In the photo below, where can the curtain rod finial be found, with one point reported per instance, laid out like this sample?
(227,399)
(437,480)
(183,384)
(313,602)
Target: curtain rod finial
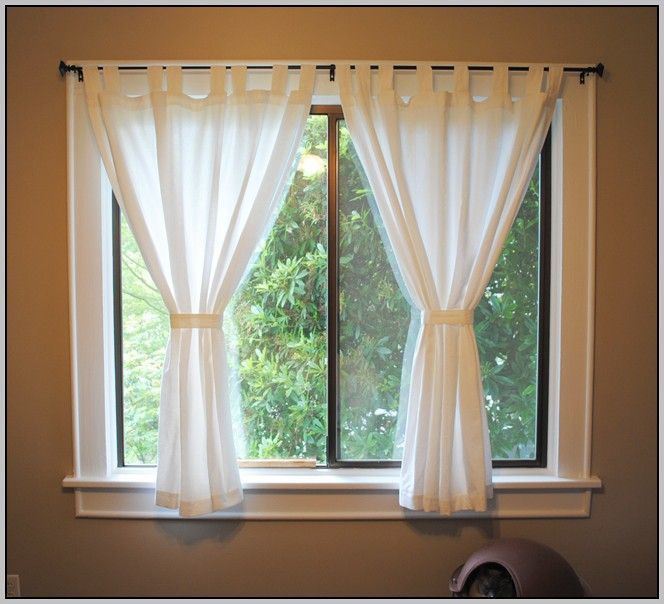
(598,69)
(63,68)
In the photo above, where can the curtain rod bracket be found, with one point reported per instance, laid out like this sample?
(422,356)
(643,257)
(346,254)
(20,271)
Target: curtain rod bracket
(64,68)
(598,69)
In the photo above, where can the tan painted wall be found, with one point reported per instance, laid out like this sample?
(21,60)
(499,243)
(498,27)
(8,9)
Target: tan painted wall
(55,554)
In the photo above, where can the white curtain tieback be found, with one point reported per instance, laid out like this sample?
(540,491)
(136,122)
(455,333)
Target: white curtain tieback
(447,317)
(195,321)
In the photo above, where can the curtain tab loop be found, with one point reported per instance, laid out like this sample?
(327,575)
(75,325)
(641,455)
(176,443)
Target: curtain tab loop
(279,77)
(500,80)
(195,321)
(218,80)
(534,79)
(91,80)
(461,79)
(554,81)
(451,316)
(307,76)
(345,84)
(239,78)
(174,79)
(386,76)
(425,78)
(112,79)
(363,78)
(155,78)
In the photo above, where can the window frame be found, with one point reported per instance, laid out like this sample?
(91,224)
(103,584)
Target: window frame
(334,115)
(561,489)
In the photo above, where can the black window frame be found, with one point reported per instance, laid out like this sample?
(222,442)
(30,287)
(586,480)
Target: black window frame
(335,115)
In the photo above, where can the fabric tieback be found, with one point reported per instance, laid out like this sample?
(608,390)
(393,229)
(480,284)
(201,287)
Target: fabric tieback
(195,321)
(447,317)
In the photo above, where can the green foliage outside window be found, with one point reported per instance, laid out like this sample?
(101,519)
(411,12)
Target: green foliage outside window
(280,315)
(506,328)
(145,329)
(373,322)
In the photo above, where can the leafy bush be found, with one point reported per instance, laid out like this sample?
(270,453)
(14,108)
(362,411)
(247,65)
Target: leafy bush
(506,328)
(373,322)
(281,318)
(145,329)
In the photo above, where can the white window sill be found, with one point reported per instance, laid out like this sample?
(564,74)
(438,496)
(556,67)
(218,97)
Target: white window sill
(284,494)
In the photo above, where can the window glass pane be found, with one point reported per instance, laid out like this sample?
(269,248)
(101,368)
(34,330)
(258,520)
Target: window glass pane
(278,320)
(374,319)
(280,317)
(373,322)
(144,336)
(506,326)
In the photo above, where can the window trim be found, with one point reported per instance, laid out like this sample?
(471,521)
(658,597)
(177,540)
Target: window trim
(562,489)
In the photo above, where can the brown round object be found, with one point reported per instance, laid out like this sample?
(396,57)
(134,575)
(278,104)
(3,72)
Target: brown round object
(536,569)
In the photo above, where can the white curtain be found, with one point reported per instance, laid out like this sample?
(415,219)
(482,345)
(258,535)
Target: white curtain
(448,174)
(198,180)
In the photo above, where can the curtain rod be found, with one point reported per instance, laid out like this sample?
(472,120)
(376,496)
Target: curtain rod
(582,71)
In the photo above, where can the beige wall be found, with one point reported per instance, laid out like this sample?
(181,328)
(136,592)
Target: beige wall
(55,554)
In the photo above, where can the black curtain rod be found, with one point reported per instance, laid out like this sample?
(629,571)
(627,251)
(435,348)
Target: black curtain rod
(582,71)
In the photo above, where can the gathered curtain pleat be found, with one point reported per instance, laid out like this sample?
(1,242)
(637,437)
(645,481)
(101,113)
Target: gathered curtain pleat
(198,180)
(448,174)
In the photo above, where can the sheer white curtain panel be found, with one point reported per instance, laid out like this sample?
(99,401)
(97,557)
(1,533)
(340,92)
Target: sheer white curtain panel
(198,180)
(448,173)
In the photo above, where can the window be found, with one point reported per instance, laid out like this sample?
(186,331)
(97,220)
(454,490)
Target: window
(559,484)
(325,275)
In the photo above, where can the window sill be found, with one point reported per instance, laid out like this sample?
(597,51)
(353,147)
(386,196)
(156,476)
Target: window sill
(340,494)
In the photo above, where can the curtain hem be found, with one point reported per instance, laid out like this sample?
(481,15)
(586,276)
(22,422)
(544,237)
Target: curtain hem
(214,503)
(476,502)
